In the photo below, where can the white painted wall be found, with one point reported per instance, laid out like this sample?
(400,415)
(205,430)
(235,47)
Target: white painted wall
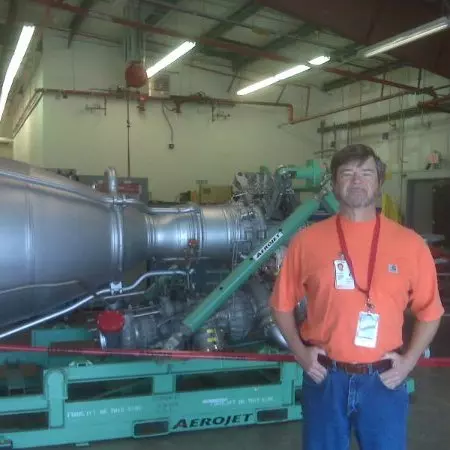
(88,141)
(62,133)
(27,123)
(6,150)
(409,141)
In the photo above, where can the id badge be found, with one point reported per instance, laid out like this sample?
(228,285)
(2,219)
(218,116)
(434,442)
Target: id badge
(342,275)
(367,330)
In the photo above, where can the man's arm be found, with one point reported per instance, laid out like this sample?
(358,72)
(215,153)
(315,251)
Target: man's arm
(288,327)
(422,336)
(427,308)
(305,356)
(288,290)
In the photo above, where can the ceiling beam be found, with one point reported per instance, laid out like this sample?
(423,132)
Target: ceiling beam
(302,32)
(240,15)
(159,12)
(78,20)
(380,70)
(370,21)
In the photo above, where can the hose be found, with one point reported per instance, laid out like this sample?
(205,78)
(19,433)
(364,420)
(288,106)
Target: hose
(87,299)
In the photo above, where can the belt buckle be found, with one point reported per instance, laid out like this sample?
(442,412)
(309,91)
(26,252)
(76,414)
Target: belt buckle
(356,369)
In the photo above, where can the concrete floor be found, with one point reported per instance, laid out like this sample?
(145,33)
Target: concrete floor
(429,426)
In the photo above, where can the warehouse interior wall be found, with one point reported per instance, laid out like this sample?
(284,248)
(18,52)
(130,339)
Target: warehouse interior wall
(26,115)
(89,134)
(404,144)
(6,150)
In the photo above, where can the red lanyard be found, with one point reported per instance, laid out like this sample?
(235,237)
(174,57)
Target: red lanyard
(372,257)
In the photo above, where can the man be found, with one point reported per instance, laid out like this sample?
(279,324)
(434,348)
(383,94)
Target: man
(359,271)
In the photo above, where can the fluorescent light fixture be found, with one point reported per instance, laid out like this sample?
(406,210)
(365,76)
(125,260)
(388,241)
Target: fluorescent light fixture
(271,80)
(420,32)
(319,60)
(14,65)
(170,58)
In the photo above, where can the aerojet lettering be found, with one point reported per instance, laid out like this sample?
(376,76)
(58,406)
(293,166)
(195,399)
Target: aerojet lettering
(267,246)
(212,421)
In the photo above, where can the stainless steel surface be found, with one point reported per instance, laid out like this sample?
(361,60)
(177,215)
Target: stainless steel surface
(61,241)
(261,295)
(111,180)
(214,231)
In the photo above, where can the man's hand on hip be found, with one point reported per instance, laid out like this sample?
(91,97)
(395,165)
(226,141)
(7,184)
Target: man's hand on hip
(401,367)
(310,364)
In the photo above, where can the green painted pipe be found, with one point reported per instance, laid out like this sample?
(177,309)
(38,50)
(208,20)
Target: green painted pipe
(313,172)
(330,202)
(250,265)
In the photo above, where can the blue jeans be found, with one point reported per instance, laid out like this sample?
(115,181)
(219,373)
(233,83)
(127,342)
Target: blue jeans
(344,402)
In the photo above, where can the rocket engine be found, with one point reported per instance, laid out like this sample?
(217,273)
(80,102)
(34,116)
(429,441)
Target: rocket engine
(63,244)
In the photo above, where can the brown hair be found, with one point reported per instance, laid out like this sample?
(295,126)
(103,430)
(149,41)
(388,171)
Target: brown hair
(360,153)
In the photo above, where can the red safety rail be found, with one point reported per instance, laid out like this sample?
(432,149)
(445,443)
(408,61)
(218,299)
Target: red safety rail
(183,354)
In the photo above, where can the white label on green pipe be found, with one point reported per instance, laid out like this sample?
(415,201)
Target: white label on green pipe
(268,245)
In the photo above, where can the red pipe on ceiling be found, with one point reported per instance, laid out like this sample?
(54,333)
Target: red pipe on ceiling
(237,48)
(361,76)
(134,24)
(433,103)
(347,108)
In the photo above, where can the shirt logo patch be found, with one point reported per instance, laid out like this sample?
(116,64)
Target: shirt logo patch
(392,268)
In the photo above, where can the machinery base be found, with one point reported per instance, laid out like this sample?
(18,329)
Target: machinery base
(82,401)
(48,400)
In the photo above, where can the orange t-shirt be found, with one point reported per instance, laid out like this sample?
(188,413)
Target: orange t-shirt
(404,275)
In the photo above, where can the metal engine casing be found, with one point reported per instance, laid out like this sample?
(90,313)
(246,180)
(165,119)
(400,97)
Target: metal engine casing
(60,240)
(213,231)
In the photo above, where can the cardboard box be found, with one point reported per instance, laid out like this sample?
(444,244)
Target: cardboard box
(214,194)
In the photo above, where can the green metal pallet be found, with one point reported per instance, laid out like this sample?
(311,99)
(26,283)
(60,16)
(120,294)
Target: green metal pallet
(82,401)
(78,401)
(171,401)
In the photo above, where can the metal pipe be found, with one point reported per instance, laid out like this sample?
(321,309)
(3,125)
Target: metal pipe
(87,299)
(111,180)
(172,210)
(361,76)
(406,114)
(430,103)
(177,99)
(435,102)
(312,173)
(347,108)
(428,107)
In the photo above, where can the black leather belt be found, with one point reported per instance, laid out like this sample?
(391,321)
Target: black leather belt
(378,366)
